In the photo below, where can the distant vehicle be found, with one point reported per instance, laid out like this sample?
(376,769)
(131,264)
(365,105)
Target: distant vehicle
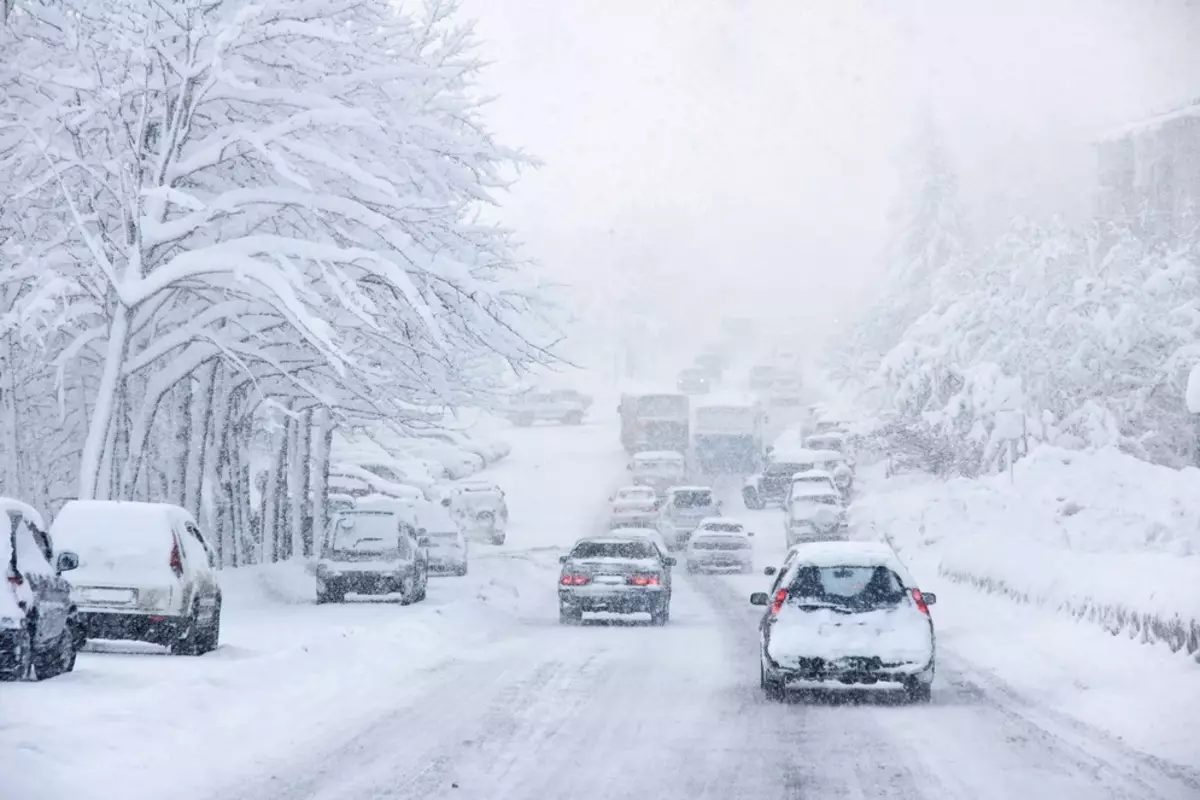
(694,381)
(728,437)
(566,406)
(655,421)
(634,505)
(811,477)
(373,551)
(145,572)
(39,631)
(771,486)
(762,377)
(481,509)
(615,574)
(845,613)
(449,549)
(829,440)
(658,470)
(720,544)
(682,510)
(814,514)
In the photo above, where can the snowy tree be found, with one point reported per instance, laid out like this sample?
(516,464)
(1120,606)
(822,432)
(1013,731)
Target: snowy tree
(255,207)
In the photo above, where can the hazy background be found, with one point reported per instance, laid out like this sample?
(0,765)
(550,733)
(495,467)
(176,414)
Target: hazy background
(742,154)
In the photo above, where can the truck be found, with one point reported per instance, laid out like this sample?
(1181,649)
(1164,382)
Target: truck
(655,421)
(728,436)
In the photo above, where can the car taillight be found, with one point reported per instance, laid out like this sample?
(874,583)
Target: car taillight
(15,580)
(780,598)
(176,560)
(642,580)
(919,599)
(575,580)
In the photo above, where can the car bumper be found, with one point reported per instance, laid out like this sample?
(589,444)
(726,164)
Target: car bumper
(614,600)
(152,628)
(364,582)
(855,671)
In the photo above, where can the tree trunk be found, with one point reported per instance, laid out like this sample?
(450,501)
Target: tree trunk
(275,500)
(320,478)
(180,455)
(298,472)
(200,421)
(12,450)
(98,427)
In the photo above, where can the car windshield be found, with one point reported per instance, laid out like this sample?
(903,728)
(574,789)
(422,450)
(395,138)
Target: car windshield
(849,586)
(693,498)
(723,527)
(817,499)
(630,550)
(787,470)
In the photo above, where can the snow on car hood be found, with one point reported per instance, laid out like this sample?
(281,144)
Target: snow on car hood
(893,635)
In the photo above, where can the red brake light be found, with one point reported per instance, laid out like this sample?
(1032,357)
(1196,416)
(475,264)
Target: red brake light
(780,598)
(176,560)
(575,580)
(919,599)
(643,580)
(15,580)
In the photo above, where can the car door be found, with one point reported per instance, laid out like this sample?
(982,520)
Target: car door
(52,592)
(202,564)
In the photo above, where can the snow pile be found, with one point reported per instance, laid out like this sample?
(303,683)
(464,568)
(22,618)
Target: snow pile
(284,583)
(1099,535)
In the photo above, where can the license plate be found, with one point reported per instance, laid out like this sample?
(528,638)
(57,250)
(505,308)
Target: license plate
(610,580)
(118,596)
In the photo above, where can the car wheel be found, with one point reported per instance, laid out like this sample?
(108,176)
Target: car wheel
(569,615)
(574,418)
(24,660)
(58,659)
(212,634)
(462,570)
(752,501)
(916,691)
(424,590)
(188,642)
(661,615)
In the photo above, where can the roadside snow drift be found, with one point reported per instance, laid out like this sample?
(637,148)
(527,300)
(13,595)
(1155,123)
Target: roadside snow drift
(1099,535)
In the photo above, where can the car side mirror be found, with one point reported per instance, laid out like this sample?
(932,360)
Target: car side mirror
(769,571)
(670,561)
(759,599)
(929,597)
(562,559)
(66,561)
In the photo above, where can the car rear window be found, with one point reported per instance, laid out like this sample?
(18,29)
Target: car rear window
(721,543)
(693,499)
(630,550)
(724,527)
(848,586)
(375,532)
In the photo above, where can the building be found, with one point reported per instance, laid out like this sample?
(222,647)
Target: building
(1149,171)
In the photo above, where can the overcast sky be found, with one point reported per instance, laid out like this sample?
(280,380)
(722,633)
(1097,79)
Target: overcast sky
(744,151)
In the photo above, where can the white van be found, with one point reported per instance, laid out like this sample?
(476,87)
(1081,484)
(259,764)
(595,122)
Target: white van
(145,573)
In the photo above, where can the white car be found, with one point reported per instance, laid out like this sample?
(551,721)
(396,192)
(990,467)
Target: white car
(145,573)
(845,613)
(682,510)
(814,514)
(720,543)
(566,406)
(449,549)
(658,469)
(633,506)
(810,477)
(358,481)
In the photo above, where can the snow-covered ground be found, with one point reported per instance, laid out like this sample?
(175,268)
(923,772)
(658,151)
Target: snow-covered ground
(479,693)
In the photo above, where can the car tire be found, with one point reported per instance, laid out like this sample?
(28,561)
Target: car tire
(424,590)
(753,501)
(574,418)
(916,691)
(661,615)
(569,615)
(188,642)
(330,595)
(20,671)
(461,570)
(212,634)
(60,659)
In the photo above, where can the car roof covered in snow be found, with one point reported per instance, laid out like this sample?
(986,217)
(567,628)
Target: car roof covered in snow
(721,521)
(690,489)
(118,538)
(849,554)
(658,455)
(812,475)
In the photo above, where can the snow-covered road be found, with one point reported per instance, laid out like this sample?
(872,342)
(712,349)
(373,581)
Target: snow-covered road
(480,694)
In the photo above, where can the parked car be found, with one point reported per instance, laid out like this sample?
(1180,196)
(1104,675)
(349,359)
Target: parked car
(694,380)
(38,623)
(449,548)
(720,544)
(359,481)
(373,551)
(458,463)
(622,575)
(810,477)
(481,509)
(565,405)
(682,510)
(145,573)
(633,505)
(845,613)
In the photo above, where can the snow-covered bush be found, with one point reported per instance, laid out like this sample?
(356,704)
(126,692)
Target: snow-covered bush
(234,223)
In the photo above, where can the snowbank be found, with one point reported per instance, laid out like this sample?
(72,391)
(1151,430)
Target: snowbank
(1098,535)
